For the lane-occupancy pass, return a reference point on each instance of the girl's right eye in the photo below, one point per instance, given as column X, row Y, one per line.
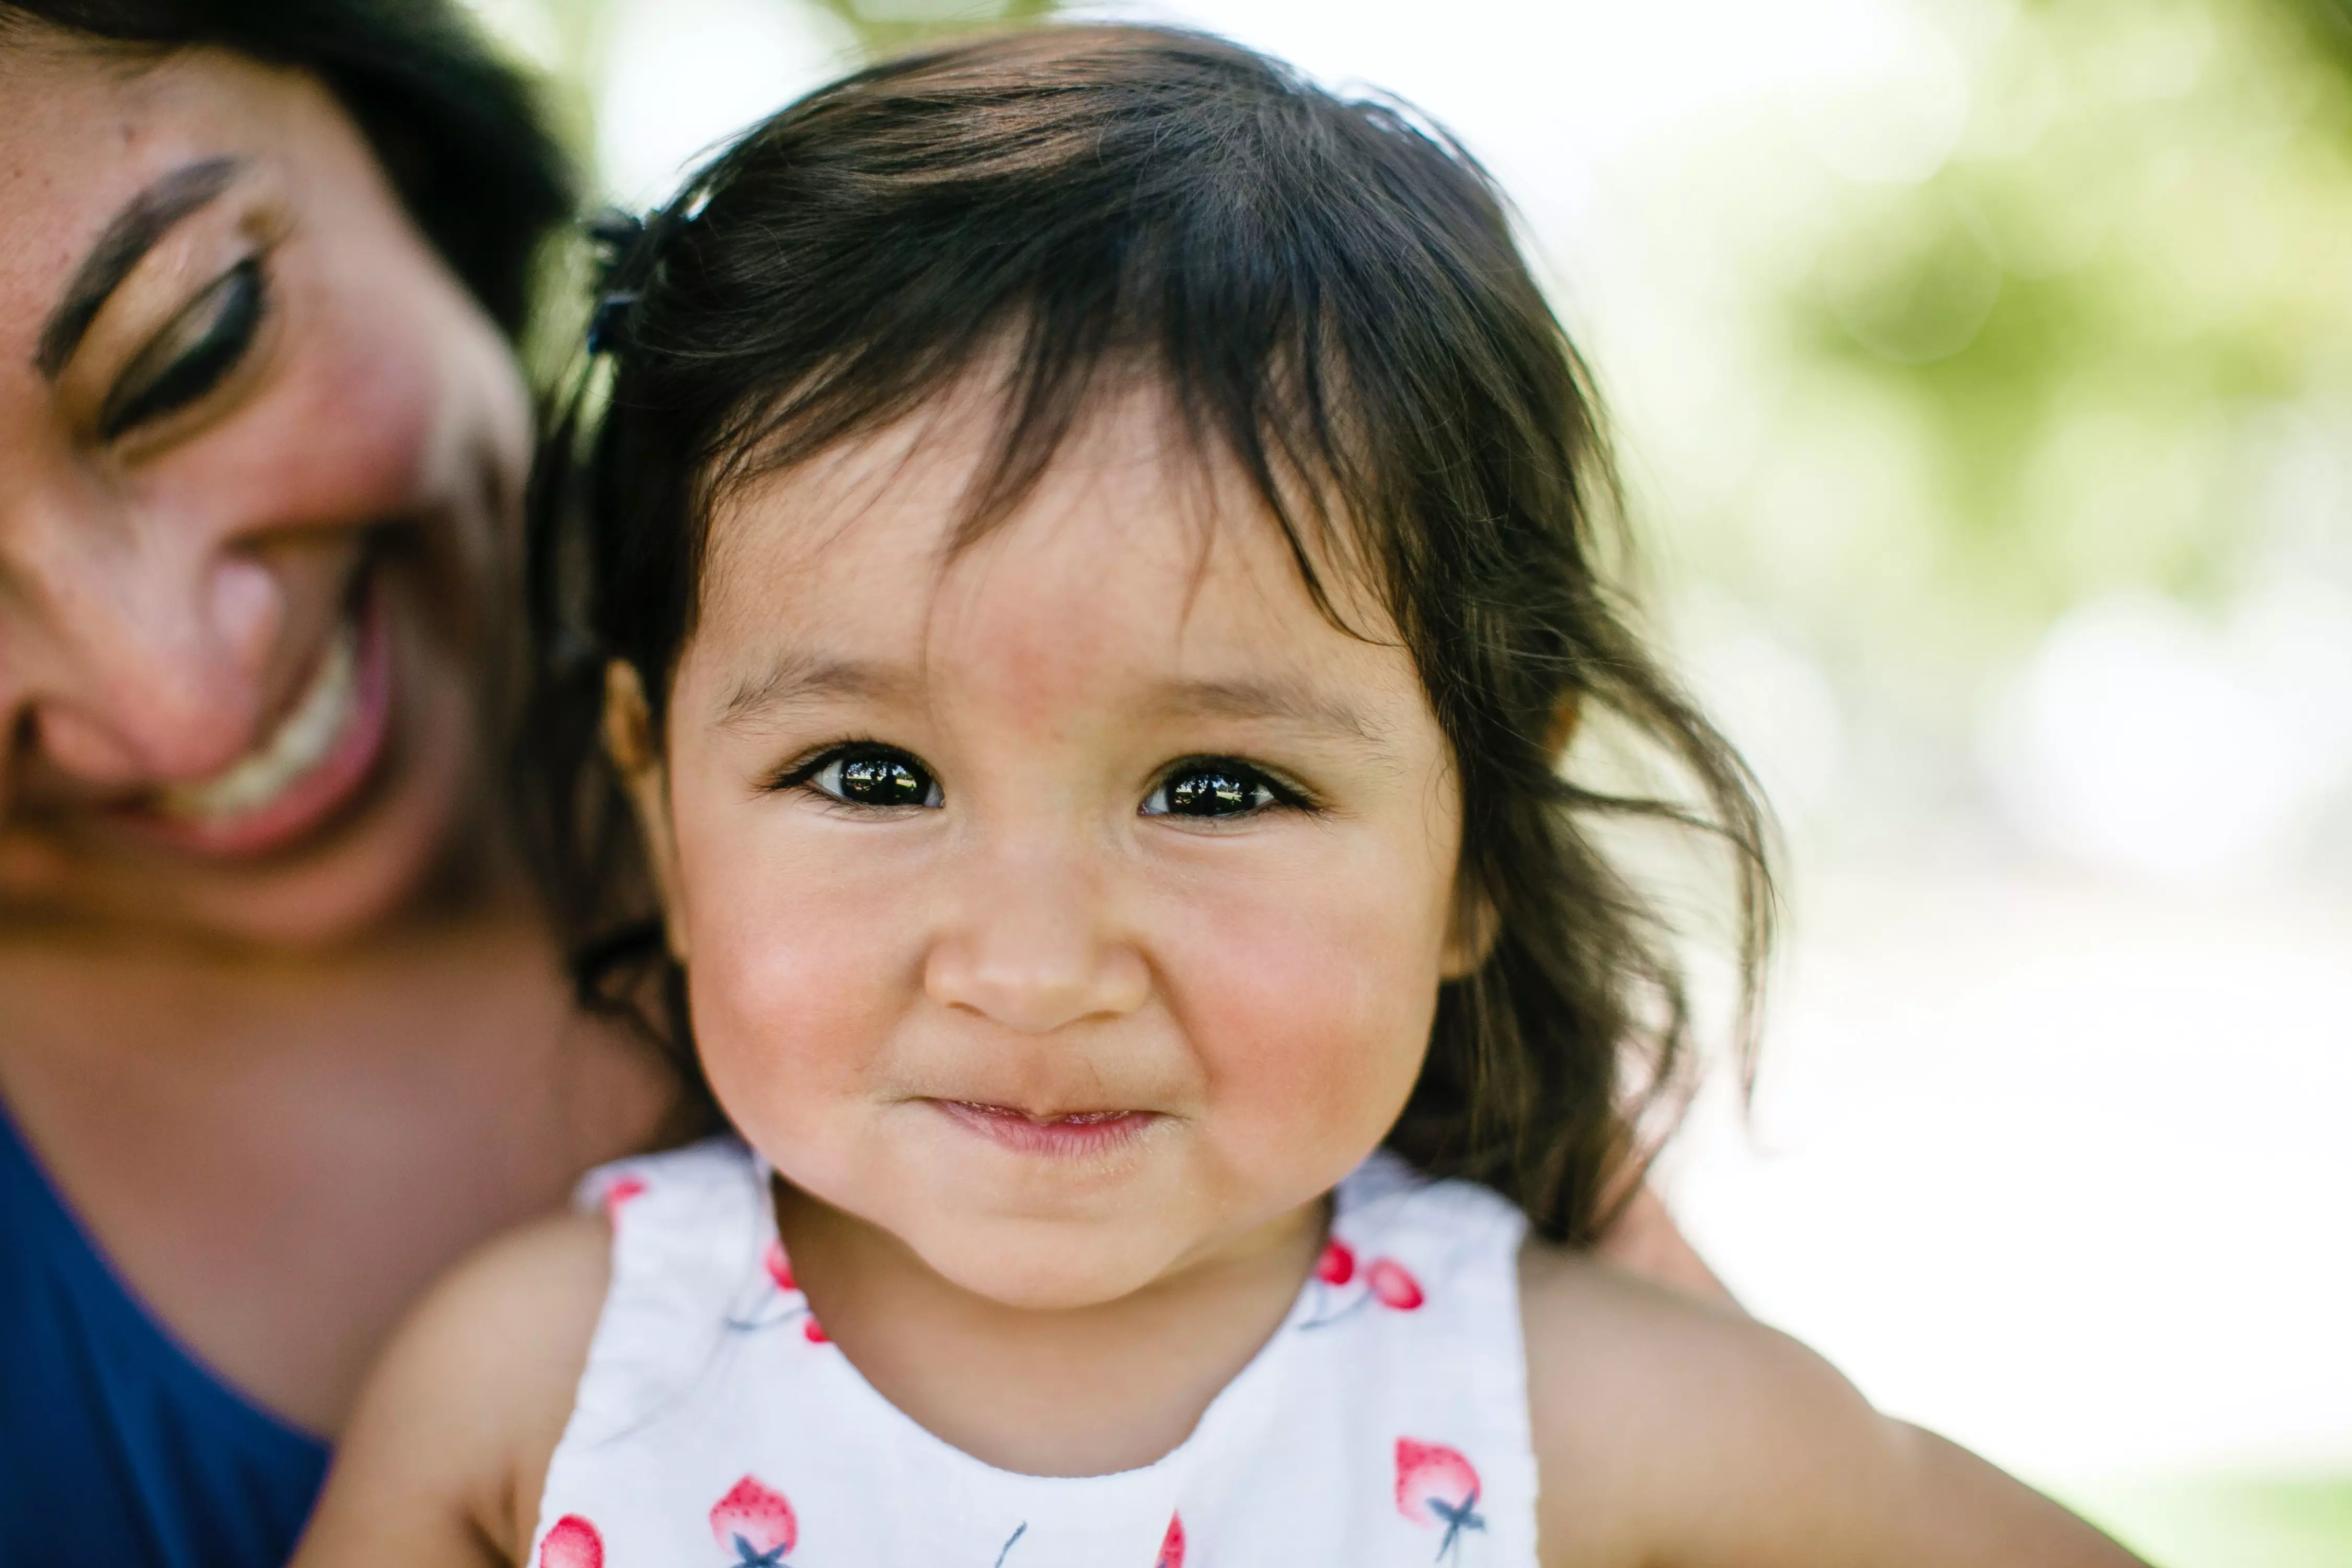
column 875, row 777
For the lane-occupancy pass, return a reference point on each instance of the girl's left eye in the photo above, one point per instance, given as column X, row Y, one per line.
column 872, row 776
column 1213, row 787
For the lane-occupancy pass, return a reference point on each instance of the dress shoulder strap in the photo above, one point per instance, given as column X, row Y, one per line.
column 687, row 1228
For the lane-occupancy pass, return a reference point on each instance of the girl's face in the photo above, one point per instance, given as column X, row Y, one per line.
column 259, row 458
column 1074, row 910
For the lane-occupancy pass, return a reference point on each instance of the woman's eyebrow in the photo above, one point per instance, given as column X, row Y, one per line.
column 144, row 219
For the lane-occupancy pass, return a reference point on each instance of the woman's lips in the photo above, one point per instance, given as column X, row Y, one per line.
column 320, row 756
column 1067, row 1135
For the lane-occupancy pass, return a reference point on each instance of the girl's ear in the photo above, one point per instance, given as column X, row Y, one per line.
column 1477, row 926
column 1472, row 942
column 638, row 758
column 1564, row 720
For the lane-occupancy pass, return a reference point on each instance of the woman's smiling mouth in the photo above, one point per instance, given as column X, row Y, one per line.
column 317, row 759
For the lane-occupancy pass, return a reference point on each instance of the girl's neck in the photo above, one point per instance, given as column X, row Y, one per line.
column 1080, row 1392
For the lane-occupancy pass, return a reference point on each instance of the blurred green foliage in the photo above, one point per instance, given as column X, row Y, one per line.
column 886, row 26
column 2226, row 1521
column 2136, row 251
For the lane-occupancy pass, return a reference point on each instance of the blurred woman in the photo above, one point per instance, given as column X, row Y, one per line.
column 280, row 1034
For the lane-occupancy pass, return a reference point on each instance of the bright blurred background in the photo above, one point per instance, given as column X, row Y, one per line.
column 1984, row 371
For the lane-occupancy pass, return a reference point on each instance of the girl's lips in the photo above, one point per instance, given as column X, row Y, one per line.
column 347, row 712
column 1074, row 1135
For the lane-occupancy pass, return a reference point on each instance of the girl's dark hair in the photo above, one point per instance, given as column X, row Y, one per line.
column 458, row 131
column 1328, row 292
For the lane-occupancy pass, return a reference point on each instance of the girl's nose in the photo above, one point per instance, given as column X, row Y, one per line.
column 1031, row 950
column 157, row 672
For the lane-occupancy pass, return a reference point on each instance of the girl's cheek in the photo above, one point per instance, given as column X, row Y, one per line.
column 798, row 970
column 1311, row 1010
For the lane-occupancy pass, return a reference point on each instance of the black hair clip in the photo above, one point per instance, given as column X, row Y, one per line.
column 611, row 317
column 618, row 237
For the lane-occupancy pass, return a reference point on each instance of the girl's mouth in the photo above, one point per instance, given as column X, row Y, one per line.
column 321, row 755
column 1066, row 1134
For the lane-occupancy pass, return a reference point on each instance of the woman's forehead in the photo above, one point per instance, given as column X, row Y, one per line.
column 103, row 155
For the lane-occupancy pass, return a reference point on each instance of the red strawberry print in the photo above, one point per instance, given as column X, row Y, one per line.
column 755, row 1523
column 1337, row 1264
column 1172, row 1545
column 1436, row 1486
column 573, row 1542
column 779, row 1266
column 1392, row 1285
column 620, row 1193
column 814, row 1332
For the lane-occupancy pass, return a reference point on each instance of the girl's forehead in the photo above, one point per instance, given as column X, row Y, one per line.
column 1131, row 510
column 1132, row 558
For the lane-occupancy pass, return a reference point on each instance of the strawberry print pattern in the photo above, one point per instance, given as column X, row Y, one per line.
column 755, row 1523
column 620, row 1193
column 573, row 1542
column 1437, row 1487
column 1383, row 1280
column 1172, row 1545
column 793, row 1307
column 1392, row 1285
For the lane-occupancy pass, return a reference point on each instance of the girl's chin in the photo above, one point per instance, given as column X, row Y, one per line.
column 1029, row 1273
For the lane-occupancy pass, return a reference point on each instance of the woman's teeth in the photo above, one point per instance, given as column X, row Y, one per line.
column 303, row 740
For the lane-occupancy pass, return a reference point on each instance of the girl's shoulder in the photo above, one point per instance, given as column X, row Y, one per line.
column 1641, row 1398
column 447, row 1453
column 468, row 1402
column 1669, row 1429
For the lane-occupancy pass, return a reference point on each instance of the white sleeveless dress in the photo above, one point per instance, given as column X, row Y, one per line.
column 1384, row 1423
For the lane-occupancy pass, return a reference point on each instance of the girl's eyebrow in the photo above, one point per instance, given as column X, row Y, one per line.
column 797, row 676
column 125, row 241
column 1296, row 702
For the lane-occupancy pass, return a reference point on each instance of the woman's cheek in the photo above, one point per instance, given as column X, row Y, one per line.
column 343, row 430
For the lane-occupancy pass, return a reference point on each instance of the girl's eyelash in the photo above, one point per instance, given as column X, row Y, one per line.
column 193, row 354
column 1282, row 793
column 808, row 764
column 866, row 775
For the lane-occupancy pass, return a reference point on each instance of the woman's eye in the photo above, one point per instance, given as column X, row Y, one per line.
column 192, row 356
column 874, row 777
column 1211, row 789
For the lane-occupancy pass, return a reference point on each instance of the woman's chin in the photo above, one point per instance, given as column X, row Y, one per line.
column 372, row 868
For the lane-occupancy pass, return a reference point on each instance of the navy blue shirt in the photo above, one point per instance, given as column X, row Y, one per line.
column 117, row 1446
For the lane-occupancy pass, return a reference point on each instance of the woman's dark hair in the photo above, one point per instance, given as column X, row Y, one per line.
column 1329, row 294
column 458, row 131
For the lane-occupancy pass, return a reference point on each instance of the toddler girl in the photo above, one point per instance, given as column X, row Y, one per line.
column 1085, row 554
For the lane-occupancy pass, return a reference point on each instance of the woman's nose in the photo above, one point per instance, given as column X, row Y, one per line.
column 1031, row 950
column 156, row 671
